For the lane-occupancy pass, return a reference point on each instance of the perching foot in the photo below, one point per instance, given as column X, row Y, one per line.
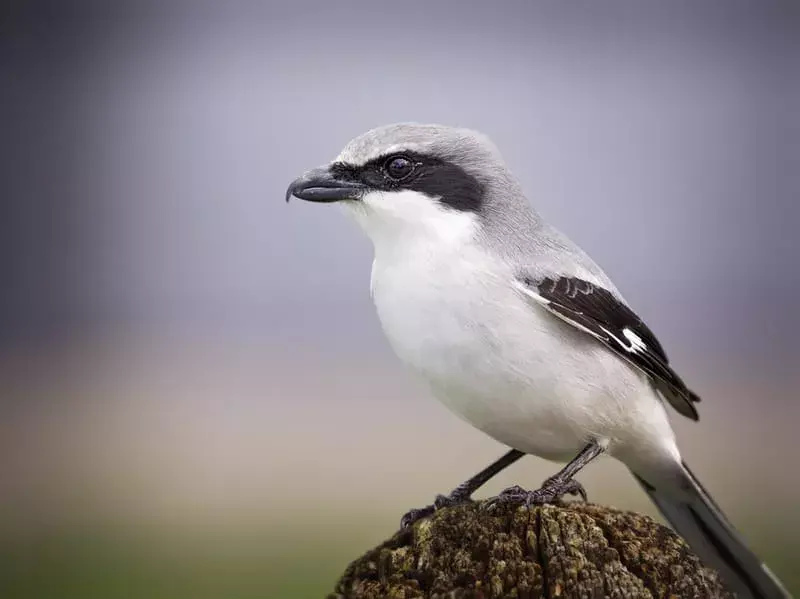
column 552, row 491
column 441, row 501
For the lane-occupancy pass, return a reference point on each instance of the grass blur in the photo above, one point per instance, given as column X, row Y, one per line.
column 223, row 471
column 88, row 565
column 85, row 565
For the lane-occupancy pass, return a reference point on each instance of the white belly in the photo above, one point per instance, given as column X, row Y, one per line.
column 506, row 366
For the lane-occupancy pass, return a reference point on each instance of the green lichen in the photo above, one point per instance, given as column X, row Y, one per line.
column 572, row 550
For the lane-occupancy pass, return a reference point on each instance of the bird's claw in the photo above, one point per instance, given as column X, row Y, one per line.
column 551, row 491
column 412, row 516
column 441, row 501
column 573, row 487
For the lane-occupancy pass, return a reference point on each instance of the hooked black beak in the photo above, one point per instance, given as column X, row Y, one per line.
column 320, row 185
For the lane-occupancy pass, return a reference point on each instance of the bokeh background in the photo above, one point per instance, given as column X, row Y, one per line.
column 195, row 396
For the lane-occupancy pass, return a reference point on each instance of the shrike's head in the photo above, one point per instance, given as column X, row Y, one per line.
column 407, row 180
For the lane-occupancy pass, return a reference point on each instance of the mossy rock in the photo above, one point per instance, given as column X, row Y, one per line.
column 571, row 550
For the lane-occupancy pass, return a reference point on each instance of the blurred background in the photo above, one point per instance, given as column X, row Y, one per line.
column 196, row 399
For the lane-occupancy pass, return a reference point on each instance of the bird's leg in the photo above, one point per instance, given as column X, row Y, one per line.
column 463, row 492
column 555, row 487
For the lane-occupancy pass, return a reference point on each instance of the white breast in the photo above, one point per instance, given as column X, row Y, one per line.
column 451, row 312
column 491, row 357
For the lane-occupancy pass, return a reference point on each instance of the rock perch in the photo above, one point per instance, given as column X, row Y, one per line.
column 569, row 550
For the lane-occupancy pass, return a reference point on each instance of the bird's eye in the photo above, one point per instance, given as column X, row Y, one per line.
column 398, row 167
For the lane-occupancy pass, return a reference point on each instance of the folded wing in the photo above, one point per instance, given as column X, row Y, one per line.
column 597, row 312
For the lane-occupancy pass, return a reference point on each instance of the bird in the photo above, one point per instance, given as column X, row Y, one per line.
column 518, row 331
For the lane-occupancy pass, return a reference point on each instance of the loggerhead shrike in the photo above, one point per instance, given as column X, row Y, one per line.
column 517, row 330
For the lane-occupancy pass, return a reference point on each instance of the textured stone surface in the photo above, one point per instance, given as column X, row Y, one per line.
column 572, row 550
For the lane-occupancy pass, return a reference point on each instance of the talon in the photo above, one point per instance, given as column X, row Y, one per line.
column 415, row 515
column 573, row 487
column 441, row 502
column 551, row 491
column 557, row 489
column 512, row 491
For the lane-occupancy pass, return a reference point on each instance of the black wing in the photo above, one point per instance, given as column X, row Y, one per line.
column 596, row 311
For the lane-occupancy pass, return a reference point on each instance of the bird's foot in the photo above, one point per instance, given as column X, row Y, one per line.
column 441, row 501
column 552, row 491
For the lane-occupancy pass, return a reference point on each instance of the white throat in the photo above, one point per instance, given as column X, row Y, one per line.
column 398, row 220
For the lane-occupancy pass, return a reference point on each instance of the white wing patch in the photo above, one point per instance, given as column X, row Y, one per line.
column 636, row 342
column 596, row 311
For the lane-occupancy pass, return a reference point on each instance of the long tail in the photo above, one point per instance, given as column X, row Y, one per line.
column 705, row 528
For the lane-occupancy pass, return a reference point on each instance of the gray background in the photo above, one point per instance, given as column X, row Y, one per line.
column 180, row 350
